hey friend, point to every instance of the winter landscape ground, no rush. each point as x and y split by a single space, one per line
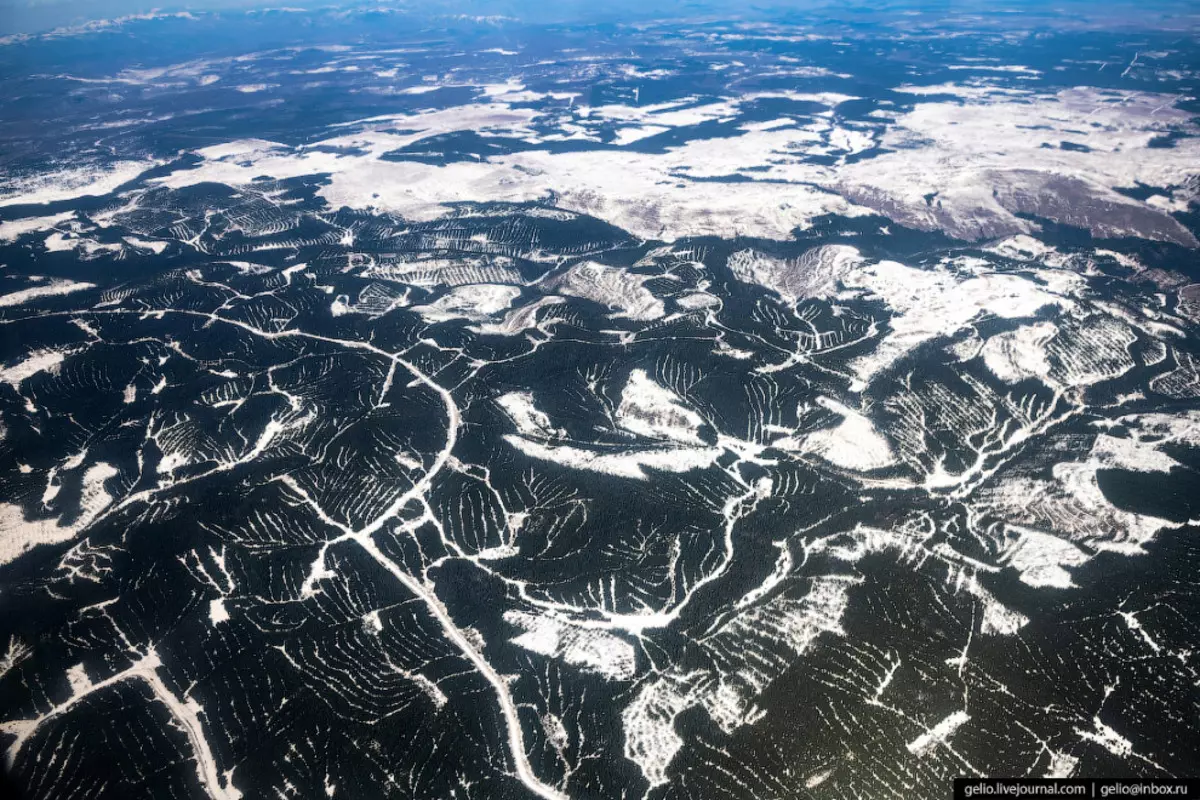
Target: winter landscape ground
461 407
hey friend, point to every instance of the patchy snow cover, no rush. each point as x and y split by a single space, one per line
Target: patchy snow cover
52 288
217 613
593 650
18 534
1016 355
471 302
71 183
1023 247
958 151
929 303
621 463
816 273
1072 506
779 632
156 247
852 444
622 291
938 734
530 420
1042 558
11 230
85 246
37 361
653 411
520 319
983 158
635 191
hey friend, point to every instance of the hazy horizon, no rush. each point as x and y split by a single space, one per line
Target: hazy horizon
41 16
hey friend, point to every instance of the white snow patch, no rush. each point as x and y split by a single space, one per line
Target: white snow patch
619 289
654 411
19 535
78 679
626 136
53 288
593 650
530 420
472 302
1061 766
11 230
852 444
624 463
929 303
1041 558
1019 354
814 274
72 183
37 361
1023 247
147 244
217 612
938 734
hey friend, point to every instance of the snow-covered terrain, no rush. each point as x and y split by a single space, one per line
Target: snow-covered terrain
466 408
